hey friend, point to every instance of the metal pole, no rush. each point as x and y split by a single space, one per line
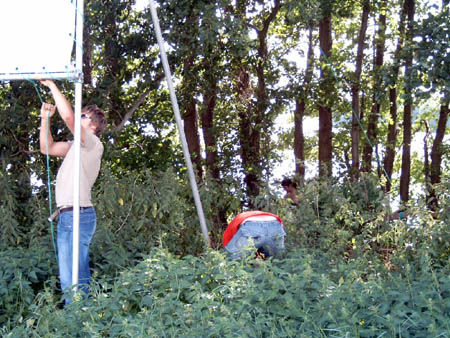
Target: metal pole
179 121
77 143
37 76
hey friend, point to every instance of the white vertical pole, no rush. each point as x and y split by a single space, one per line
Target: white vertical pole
179 121
77 141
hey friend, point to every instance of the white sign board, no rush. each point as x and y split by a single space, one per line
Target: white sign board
37 38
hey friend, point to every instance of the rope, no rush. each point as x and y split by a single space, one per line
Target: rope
52 228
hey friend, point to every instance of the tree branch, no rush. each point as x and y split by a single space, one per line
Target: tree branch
137 104
132 110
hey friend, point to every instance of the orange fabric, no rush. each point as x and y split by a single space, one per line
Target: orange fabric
234 225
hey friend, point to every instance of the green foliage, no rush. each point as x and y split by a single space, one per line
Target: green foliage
24 220
219 37
23 273
10 231
331 214
347 269
305 294
432 52
138 212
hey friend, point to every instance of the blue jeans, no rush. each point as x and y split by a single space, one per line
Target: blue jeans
266 236
88 223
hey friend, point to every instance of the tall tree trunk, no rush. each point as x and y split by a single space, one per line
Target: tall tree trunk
189 90
207 117
300 104
249 137
389 157
87 55
392 128
112 62
426 162
372 125
190 118
299 138
219 212
251 123
356 131
326 88
244 93
407 113
436 157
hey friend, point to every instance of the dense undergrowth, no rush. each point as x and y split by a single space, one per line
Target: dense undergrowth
304 294
348 271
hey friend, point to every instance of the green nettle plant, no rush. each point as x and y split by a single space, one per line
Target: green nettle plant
348 270
303 294
139 212
10 232
23 274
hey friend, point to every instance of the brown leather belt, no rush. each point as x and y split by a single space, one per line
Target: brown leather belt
71 209
60 211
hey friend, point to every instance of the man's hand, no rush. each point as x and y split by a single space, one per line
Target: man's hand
47 83
64 107
47 110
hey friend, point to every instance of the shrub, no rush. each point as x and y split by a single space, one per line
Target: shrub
138 213
23 273
347 270
306 294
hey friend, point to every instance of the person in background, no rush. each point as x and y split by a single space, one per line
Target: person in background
291 190
399 214
260 229
93 123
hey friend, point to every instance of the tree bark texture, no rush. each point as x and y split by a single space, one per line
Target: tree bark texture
249 137
209 137
113 67
407 113
300 105
299 138
356 128
189 90
251 122
372 126
391 141
436 157
87 55
190 118
325 111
